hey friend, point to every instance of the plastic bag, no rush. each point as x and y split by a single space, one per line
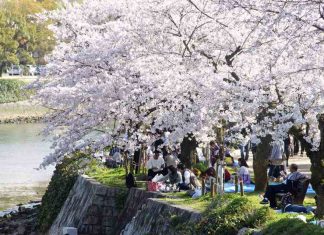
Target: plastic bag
197 193
153 186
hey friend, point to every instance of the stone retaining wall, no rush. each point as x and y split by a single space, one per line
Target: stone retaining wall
90 207
96 209
156 217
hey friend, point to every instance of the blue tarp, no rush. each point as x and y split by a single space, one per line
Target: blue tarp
230 188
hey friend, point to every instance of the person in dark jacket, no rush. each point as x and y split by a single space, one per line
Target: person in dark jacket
287 186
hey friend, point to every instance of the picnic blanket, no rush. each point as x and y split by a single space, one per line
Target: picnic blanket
230 188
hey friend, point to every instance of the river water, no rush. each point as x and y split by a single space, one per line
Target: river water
22 149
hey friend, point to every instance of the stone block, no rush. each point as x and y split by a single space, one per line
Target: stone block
99 200
109 222
96 229
115 212
93 210
111 192
85 229
109 201
91 220
102 190
107 211
108 230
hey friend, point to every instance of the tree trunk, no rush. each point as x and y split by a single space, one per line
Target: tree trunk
317 178
260 163
188 146
317 166
1 69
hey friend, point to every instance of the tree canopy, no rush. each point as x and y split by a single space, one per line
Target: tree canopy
23 40
124 67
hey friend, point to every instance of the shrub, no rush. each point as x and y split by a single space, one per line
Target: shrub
11 90
292 226
59 187
202 167
227 214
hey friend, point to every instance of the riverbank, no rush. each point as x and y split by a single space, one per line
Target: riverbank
22 221
21 112
17 194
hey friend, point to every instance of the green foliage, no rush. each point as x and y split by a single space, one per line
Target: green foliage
114 177
227 214
12 91
292 226
121 199
202 167
58 189
24 40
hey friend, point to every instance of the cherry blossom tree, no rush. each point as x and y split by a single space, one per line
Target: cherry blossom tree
122 67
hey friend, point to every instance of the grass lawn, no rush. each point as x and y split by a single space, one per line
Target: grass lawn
223 214
227 214
114 177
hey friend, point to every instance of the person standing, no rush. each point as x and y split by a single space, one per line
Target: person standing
244 145
214 153
276 159
287 144
296 146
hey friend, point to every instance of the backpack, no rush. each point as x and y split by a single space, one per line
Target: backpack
286 199
130 181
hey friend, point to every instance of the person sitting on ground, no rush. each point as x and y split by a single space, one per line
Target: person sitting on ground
229 160
189 178
289 185
227 175
174 176
156 165
209 175
243 172
117 158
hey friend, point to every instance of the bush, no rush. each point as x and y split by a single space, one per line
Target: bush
59 187
227 214
11 90
202 167
292 226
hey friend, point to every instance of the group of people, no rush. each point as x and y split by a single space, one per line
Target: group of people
286 148
164 166
169 169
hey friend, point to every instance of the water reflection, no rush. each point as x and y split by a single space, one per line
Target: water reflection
21 151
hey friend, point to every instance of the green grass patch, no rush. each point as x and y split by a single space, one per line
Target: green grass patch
11 90
229 213
114 177
181 198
